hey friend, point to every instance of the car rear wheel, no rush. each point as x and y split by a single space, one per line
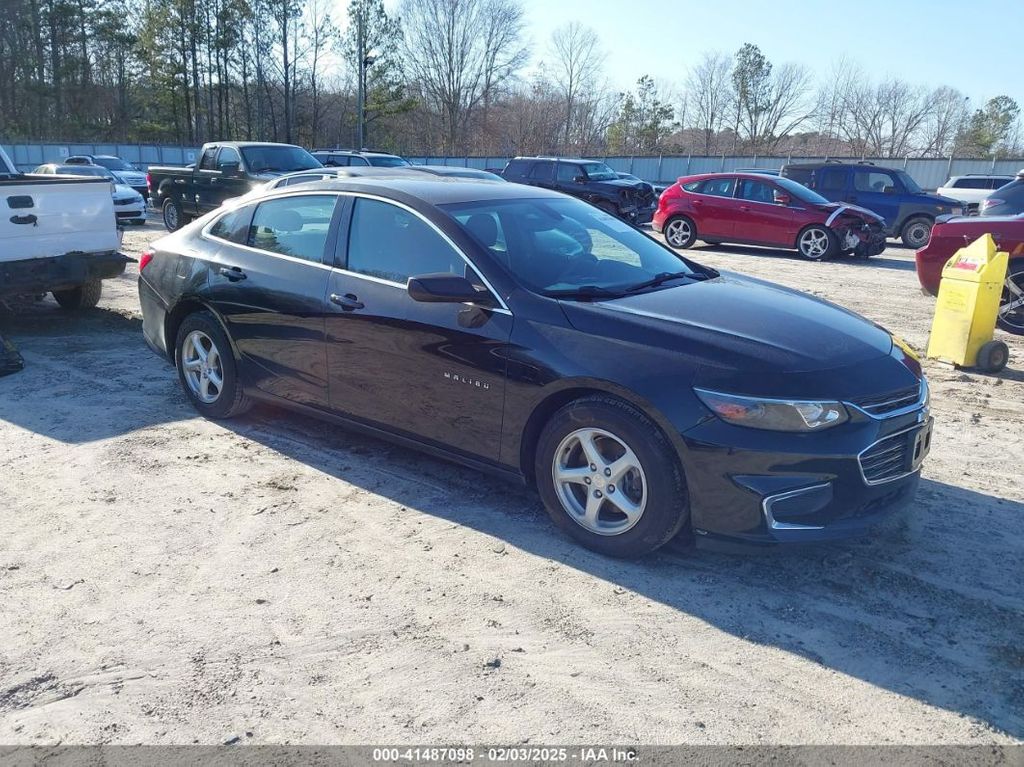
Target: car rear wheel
174 216
680 232
207 368
608 477
916 232
817 243
85 296
1011 305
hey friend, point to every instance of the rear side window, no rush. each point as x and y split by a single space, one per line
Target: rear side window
831 180
232 226
972 183
392 244
718 187
517 168
293 226
542 171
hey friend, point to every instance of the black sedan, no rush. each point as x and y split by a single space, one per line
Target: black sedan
528 333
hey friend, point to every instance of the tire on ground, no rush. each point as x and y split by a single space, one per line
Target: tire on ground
85 296
680 232
916 231
232 400
814 234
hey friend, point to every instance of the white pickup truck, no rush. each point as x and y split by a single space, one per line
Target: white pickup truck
58 234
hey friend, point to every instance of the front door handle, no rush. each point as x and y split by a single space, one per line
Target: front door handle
235 274
348 302
29 219
745 208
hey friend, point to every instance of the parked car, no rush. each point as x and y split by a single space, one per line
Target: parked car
326 174
951 234
595 182
58 235
971 189
124 171
755 209
225 170
129 205
346 157
530 334
1008 200
909 212
762 171
453 171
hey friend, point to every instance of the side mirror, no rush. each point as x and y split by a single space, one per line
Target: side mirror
581 179
781 198
446 289
889 190
229 168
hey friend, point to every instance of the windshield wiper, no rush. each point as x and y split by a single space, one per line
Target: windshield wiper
585 293
659 279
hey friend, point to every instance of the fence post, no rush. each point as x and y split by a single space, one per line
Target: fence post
661 159
906 161
689 157
631 165
721 168
949 166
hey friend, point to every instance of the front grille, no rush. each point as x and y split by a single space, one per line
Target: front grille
125 214
890 402
885 460
127 201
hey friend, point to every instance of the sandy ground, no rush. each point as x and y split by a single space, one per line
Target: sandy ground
166 579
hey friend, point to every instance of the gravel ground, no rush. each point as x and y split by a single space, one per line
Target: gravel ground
166 579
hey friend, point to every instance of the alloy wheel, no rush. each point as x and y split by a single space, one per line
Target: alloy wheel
599 481
814 243
201 363
678 233
1011 305
170 217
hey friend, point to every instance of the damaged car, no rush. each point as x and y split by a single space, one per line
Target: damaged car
754 209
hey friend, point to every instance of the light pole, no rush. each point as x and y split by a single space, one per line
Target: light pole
366 60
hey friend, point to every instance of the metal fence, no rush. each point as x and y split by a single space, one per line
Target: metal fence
928 173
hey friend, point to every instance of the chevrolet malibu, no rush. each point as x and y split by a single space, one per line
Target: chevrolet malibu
527 333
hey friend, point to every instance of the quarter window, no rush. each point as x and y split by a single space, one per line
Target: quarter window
293 226
391 243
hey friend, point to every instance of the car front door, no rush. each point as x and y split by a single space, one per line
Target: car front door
230 180
268 280
879 191
716 208
203 188
760 218
435 372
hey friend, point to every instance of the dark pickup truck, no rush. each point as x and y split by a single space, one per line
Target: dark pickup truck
225 169
632 200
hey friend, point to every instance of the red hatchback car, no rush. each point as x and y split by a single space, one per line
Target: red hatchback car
755 209
950 234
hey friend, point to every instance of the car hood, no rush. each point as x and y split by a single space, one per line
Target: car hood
624 183
845 207
738 324
130 177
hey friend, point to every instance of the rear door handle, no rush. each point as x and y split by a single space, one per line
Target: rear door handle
235 274
348 302
29 219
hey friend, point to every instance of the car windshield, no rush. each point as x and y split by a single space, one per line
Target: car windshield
799 191
388 161
566 247
278 159
114 163
598 171
84 170
909 184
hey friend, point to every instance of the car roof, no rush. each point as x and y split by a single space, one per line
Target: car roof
429 188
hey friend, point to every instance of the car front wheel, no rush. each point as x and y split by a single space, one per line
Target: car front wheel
206 368
680 232
1011 304
609 478
817 243
916 232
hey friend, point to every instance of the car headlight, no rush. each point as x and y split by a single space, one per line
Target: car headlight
774 414
957 211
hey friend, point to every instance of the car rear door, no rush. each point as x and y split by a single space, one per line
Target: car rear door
268 279
542 174
716 208
435 372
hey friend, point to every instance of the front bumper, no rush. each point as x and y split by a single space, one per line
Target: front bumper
765 488
638 215
43 275
133 211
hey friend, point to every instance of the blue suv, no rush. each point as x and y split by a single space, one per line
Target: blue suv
908 210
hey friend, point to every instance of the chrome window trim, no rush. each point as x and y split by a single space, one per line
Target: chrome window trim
771 500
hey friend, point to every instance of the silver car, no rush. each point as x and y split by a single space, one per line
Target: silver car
129 205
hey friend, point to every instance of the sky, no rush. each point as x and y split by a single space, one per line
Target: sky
971 45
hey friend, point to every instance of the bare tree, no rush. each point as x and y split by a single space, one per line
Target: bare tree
577 67
944 125
460 52
710 94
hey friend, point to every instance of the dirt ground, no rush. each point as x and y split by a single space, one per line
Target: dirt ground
166 579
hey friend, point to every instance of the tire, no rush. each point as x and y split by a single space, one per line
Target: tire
84 296
586 507
173 215
1012 320
817 243
680 232
916 231
202 331
992 357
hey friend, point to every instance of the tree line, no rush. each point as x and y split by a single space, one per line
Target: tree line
443 77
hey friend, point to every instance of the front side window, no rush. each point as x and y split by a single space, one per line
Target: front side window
598 171
293 226
567 172
756 191
718 187
558 245
268 158
228 155
391 243
872 181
